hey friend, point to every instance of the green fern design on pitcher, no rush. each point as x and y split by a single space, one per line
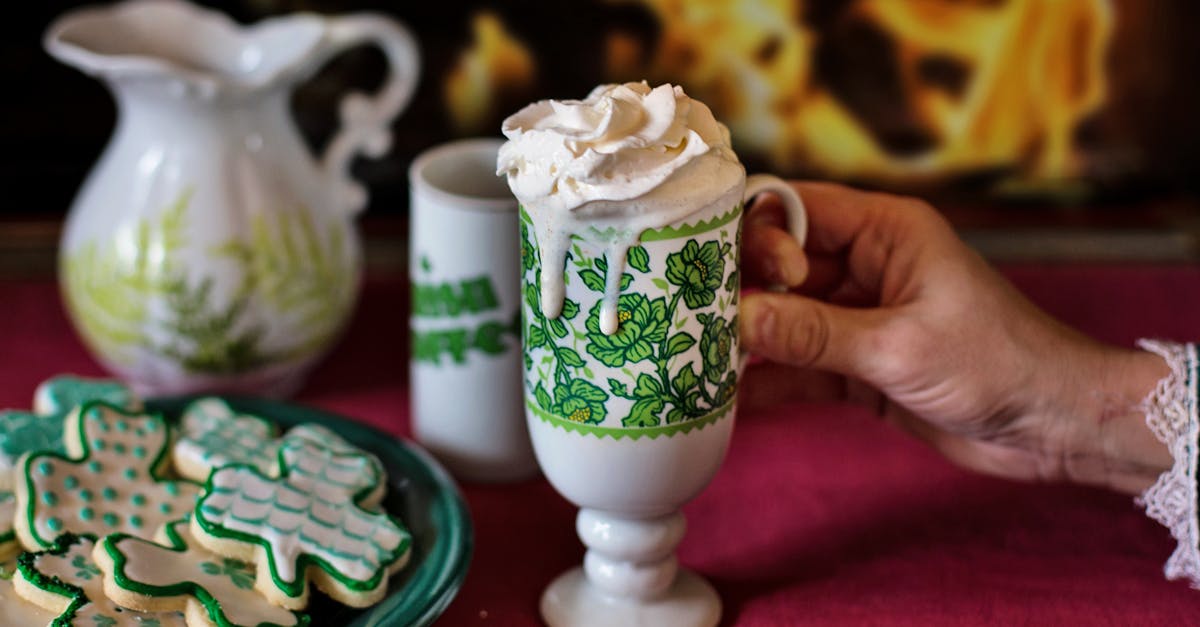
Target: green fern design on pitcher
300 270
208 340
108 293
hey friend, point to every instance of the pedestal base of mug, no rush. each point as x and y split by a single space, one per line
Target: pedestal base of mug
573 601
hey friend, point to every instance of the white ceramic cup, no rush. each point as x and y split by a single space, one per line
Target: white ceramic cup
633 425
466 346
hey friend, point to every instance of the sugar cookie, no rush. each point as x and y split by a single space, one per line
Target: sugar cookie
65 581
13 609
213 435
108 482
58 395
322 435
24 432
177 574
310 522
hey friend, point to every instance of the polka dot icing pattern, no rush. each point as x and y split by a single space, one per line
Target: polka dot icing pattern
13 609
23 432
68 572
214 435
178 573
109 481
312 517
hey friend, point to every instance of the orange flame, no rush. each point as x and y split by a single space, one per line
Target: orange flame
1033 71
495 63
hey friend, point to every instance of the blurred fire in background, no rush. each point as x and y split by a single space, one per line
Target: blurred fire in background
1053 103
954 87
896 92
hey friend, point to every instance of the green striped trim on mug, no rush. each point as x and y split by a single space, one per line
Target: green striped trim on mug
632 433
672 232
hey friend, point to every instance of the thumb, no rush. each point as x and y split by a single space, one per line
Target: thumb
801 331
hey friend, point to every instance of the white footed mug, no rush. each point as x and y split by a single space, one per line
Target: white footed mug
631 425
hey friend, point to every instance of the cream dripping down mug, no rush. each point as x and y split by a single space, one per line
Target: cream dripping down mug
632 206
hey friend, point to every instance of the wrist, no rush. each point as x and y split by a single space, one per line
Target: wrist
1110 444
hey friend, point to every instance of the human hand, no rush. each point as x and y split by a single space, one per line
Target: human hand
891 308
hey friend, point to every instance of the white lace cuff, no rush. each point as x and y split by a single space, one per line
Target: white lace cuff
1171 413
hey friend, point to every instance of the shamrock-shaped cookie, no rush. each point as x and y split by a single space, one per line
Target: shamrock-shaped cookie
177 574
24 432
13 609
66 582
213 435
108 482
312 521
57 396
318 434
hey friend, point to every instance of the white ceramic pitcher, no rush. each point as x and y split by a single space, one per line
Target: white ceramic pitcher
208 250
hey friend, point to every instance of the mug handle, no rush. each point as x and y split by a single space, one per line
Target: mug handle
797 219
365 120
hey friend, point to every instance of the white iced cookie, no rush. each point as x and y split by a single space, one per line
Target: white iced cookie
66 582
324 436
176 574
13 609
108 482
42 430
58 395
313 521
213 435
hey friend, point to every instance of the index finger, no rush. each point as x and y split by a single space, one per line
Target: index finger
838 214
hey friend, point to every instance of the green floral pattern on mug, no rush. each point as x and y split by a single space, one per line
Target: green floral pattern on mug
654 373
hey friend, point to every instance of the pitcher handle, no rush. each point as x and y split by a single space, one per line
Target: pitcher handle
797 220
366 120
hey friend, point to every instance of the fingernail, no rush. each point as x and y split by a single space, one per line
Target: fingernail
760 323
766 325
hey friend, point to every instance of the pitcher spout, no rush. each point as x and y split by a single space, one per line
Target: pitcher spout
200 51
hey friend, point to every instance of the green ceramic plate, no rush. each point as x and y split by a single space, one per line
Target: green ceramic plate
420 493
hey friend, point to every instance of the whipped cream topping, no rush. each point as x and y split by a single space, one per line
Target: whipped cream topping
619 143
627 156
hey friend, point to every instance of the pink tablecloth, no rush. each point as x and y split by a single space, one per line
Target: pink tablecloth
820 515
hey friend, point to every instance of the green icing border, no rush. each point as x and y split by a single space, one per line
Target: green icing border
53 584
182 589
677 232
419 490
78 416
635 433
297 587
